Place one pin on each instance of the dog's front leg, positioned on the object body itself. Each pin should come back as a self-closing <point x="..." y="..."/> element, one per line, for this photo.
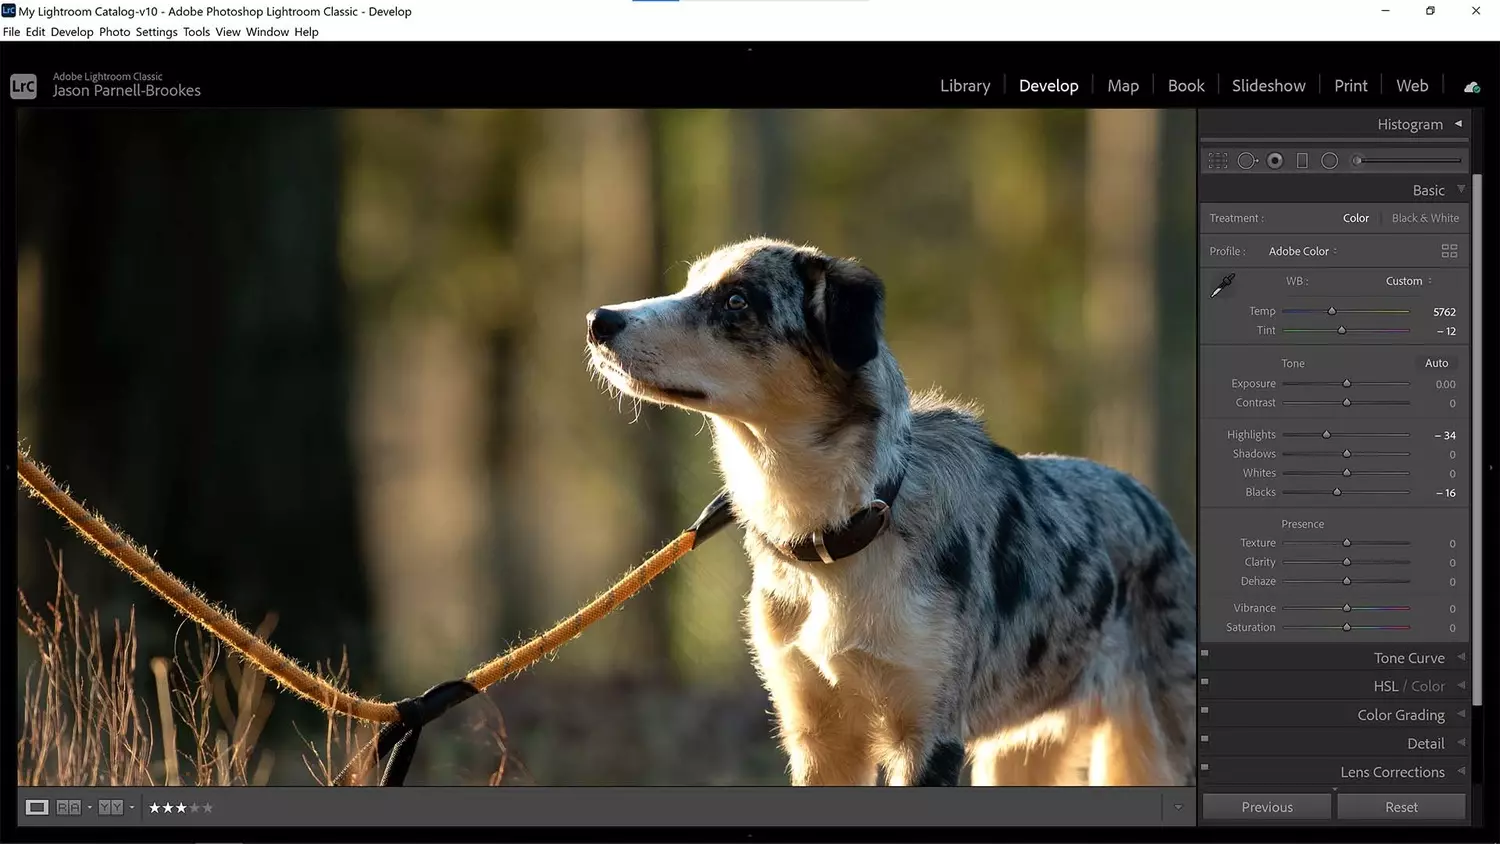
<point x="917" y="738"/>
<point x="825" y="735"/>
<point x="923" y="760"/>
<point x="824" y="730"/>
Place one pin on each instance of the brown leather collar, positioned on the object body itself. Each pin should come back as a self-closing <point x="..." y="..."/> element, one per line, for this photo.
<point x="854" y="535"/>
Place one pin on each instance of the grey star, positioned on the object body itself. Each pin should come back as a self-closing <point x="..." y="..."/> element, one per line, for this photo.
<point x="208" y="807"/>
<point x="194" y="808"/>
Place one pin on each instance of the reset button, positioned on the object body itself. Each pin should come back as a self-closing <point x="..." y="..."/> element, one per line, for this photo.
<point x="1396" y="807"/>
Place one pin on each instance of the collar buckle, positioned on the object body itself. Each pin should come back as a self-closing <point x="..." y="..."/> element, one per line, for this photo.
<point x="884" y="510"/>
<point x="822" y="548"/>
<point x="819" y="543"/>
<point x="862" y="528"/>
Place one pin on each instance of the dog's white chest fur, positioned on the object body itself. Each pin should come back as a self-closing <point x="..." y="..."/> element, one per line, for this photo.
<point x="851" y="615"/>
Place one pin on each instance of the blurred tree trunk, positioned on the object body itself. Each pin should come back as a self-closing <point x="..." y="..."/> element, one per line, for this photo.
<point x="1002" y="350"/>
<point x="696" y="211"/>
<point x="659" y="462"/>
<point x="1177" y="305"/>
<point x="553" y="550"/>
<point x="1120" y="304"/>
<point x="422" y="425"/>
<point x="623" y="234"/>
<point x="768" y="168"/>
<point x="602" y="489"/>
<point x="428" y="256"/>
<point x="195" y="369"/>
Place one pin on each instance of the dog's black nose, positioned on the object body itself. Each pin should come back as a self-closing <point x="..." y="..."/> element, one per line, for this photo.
<point x="604" y="324"/>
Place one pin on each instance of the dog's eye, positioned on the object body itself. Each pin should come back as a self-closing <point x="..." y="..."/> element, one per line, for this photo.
<point x="736" y="302"/>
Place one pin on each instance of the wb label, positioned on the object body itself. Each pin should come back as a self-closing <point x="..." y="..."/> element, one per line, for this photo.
<point x="23" y="86"/>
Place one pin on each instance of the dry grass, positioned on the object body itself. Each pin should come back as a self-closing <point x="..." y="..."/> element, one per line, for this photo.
<point x="84" y="722"/>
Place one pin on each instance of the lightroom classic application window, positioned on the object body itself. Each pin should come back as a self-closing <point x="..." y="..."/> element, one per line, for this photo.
<point x="872" y="420"/>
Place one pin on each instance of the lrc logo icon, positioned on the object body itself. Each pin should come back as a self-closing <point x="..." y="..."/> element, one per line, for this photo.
<point x="23" y="86"/>
<point x="7" y="10"/>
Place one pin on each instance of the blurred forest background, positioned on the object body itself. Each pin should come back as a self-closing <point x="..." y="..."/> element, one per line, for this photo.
<point x="330" y="365"/>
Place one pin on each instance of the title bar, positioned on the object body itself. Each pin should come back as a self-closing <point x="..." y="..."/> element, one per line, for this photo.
<point x="758" y="20"/>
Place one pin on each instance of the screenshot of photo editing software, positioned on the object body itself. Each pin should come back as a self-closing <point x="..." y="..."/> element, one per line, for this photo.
<point x="873" y="421"/>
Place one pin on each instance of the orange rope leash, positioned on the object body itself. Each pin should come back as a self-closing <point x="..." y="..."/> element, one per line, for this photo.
<point x="288" y="671"/>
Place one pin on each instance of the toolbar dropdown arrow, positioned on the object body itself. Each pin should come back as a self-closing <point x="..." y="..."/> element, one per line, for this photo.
<point x="1463" y="772"/>
<point x="1177" y="806"/>
<point x="1463" y="742"/>
<point x="1463" y="713"/>
<point x="1463" y="684"/>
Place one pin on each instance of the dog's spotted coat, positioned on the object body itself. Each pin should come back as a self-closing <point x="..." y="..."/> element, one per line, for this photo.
<point x="1032" y="615"/>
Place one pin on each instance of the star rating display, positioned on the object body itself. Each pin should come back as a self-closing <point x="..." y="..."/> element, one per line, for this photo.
<point x="180" y="808"/>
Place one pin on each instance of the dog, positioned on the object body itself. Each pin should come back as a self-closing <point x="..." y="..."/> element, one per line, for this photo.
<point x="922" y="598"/>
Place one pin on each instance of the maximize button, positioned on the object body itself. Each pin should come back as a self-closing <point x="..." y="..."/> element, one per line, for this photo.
<point x="1267" y="807"/>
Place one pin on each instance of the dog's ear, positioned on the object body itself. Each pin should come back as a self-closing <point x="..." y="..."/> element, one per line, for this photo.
<point x="845" y="303"/>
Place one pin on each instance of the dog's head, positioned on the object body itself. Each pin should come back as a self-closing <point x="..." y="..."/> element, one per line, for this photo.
<point x="763" y="332"/>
